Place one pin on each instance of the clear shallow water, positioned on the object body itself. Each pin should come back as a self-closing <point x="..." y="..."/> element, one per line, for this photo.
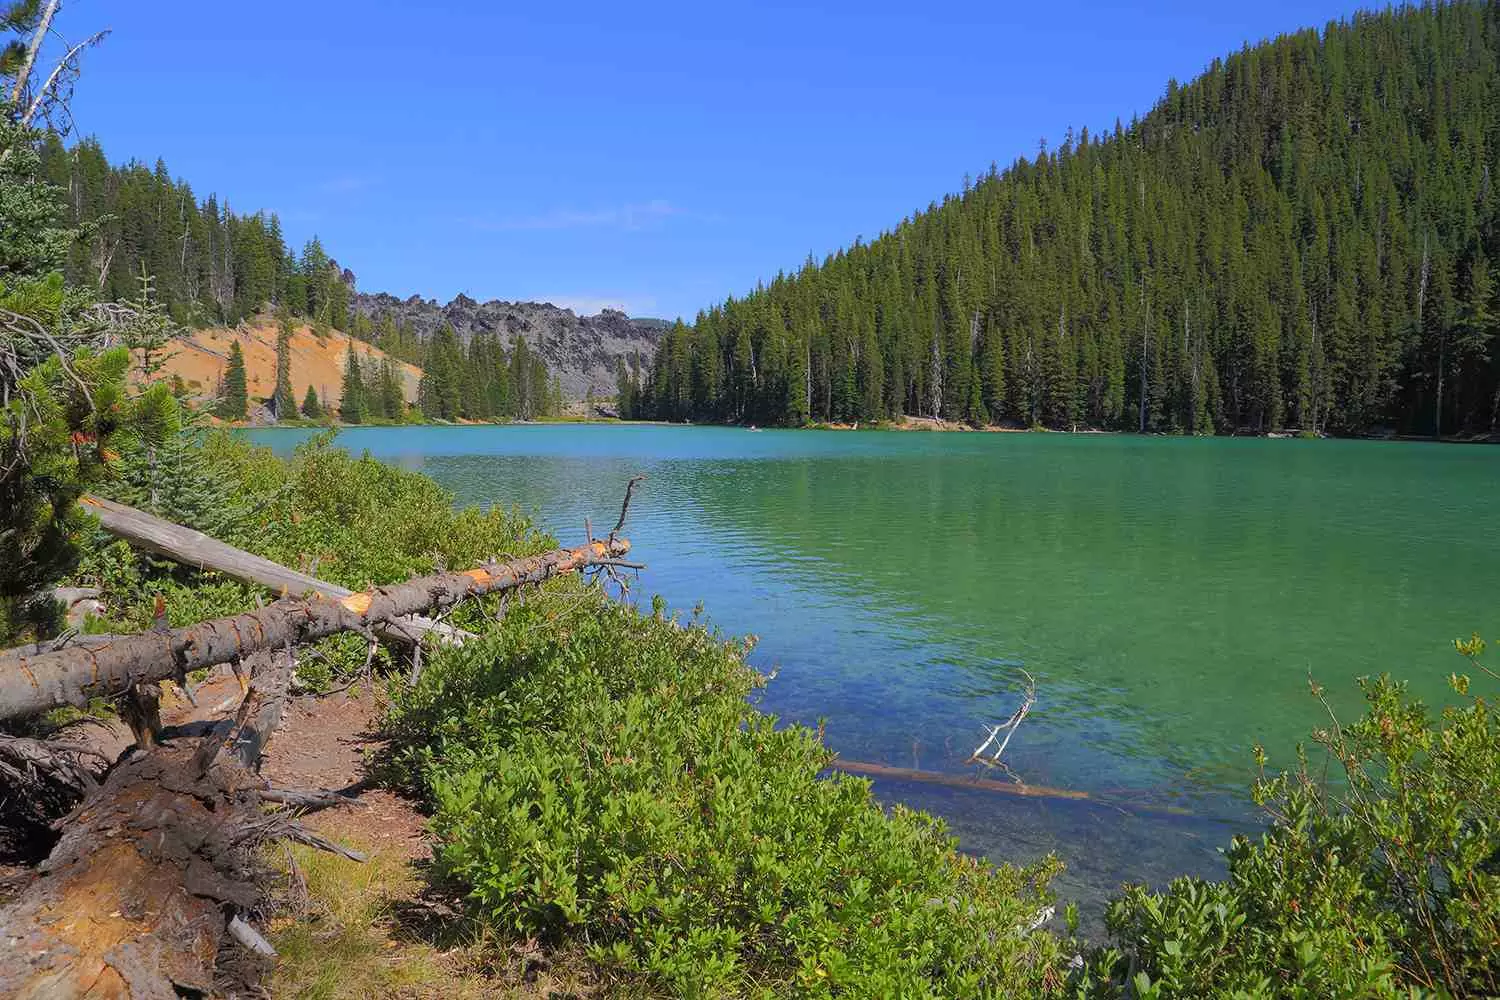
<point x="1171" y="597"/>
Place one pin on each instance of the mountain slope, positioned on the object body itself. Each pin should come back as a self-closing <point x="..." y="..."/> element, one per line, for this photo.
<point x="200" y="359"/>
<point x="1303" y="237"/>
<point x="580" y="351"/>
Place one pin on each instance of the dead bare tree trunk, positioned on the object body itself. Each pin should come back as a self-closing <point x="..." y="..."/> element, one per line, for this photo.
<point x="23" y="74"/>
<point x="194" y="548"/>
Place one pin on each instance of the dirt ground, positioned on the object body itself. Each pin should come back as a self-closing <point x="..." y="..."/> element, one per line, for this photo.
<point x="345" y="929"/>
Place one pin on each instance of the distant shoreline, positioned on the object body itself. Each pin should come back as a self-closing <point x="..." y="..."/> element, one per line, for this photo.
<point x="907" y="425"/>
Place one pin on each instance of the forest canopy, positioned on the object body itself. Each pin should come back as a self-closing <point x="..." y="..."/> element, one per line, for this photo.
<point x="1304" y="237"/>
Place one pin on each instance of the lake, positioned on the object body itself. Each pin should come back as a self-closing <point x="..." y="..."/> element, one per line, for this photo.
<point x="1171" y="597"/>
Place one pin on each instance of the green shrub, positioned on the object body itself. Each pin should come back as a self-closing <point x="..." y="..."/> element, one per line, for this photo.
<point x="1386" y="883"/>
<point x="599" y="775"/>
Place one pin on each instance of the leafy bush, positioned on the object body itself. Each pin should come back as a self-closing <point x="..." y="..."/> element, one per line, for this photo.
<point x="1387" y="883"/>
<point x="600" y="775"/>
<point x="355" y="521"/>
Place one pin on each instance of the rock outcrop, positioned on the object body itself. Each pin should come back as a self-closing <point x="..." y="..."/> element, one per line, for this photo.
<point x="580" y="350"/>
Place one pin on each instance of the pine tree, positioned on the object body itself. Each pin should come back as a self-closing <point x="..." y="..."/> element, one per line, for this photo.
<point x="283" y="400"/>
<point x="312" y="408"/>
<point x="149" y="329"/>
<point x="234" y="400"/>
<point x="353" y="407"/>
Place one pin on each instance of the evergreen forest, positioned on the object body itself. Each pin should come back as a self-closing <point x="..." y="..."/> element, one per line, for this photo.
<point x="1304" y="238"/>
<point x="207" y="265"/>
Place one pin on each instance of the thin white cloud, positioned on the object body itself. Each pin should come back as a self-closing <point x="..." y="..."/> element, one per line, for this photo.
<point x="631" y="216"/>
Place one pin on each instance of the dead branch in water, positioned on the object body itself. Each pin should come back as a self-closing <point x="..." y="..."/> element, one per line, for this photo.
<point x="873" y="770"/>
<point x="1008" y="727"/>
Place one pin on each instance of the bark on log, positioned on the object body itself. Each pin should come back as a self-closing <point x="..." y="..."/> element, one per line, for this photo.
<point x="32" y="684"/>
<point x="194" y="548"/>
<point x="132" y="902"/>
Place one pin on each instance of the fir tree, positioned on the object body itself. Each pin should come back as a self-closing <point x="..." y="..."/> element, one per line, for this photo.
<point x="312" y="408"/>
<point x="352" y="403"/>
<point x="234" y="400"/>
<point x="149" y="329"/>
<point x="283" y="400"/>
<point x="392" y="394"/>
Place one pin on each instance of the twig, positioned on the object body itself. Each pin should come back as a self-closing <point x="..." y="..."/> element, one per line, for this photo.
<point x="625" y="506"/>
<point x="308" y="799"/>
<point x="302" y="835"/>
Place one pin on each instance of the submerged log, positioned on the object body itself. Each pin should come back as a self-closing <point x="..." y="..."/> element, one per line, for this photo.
<point x="194" y="548"/>
<point x="70" y="676"/>
<point x="1116" y="799"/>
<point x="871" y="769"/>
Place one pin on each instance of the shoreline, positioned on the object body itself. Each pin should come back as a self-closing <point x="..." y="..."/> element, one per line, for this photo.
<point x="907" y="425"/>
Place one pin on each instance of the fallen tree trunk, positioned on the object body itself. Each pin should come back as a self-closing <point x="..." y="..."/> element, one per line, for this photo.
<point x="160" y="861"/>
<point x="70" y="676"/>
<point x="194" y="548"/>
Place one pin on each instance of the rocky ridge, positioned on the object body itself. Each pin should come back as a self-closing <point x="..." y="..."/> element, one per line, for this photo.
<point x="582" y="351"/>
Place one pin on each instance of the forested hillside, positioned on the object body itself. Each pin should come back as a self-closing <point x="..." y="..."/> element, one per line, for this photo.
<point x="212" y="268"/>
<point x="1303" y="237"/>
<point x="210" y="265"/>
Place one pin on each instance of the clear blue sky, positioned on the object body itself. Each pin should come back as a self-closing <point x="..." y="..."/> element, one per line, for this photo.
<point x="652" y="156"/>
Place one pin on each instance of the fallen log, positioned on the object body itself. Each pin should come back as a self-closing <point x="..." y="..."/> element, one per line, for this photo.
<point x="70" y="676"/>
<point x="194" y="548"/>
<point x="159" y="864"/>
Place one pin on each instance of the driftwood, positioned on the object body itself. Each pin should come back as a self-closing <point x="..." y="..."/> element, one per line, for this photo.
<point x="158" y="864"/>
<point x="194" y="548"/>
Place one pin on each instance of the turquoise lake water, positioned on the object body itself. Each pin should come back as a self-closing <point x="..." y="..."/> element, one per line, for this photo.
<point x="1170" y="596"/>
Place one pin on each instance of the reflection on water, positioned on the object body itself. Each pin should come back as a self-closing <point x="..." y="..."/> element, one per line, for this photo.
<point x="1170" y="597"/>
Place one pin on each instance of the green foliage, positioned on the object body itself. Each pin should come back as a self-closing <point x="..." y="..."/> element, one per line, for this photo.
<point x="283" y="400"/>
<point x="234" y="398"/>
<point x="353" y="406"/>
<point x="484" y="381"/>
<point x="358" y="520"/>
<point x="53" y="446"/>
<point x="1297" y="238"/>
<point x="34" y="234"/>
<point x="1385" y="884"/>
<point x="312" y="408"/>
<point x="210" y="264"/>
<point x="165" y="469"/>
<point x="599" y="775"/>
<point x="150" y="330"/>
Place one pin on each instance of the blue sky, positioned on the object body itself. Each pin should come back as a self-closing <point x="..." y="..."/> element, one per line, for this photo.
<point x="653" y="156"/>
